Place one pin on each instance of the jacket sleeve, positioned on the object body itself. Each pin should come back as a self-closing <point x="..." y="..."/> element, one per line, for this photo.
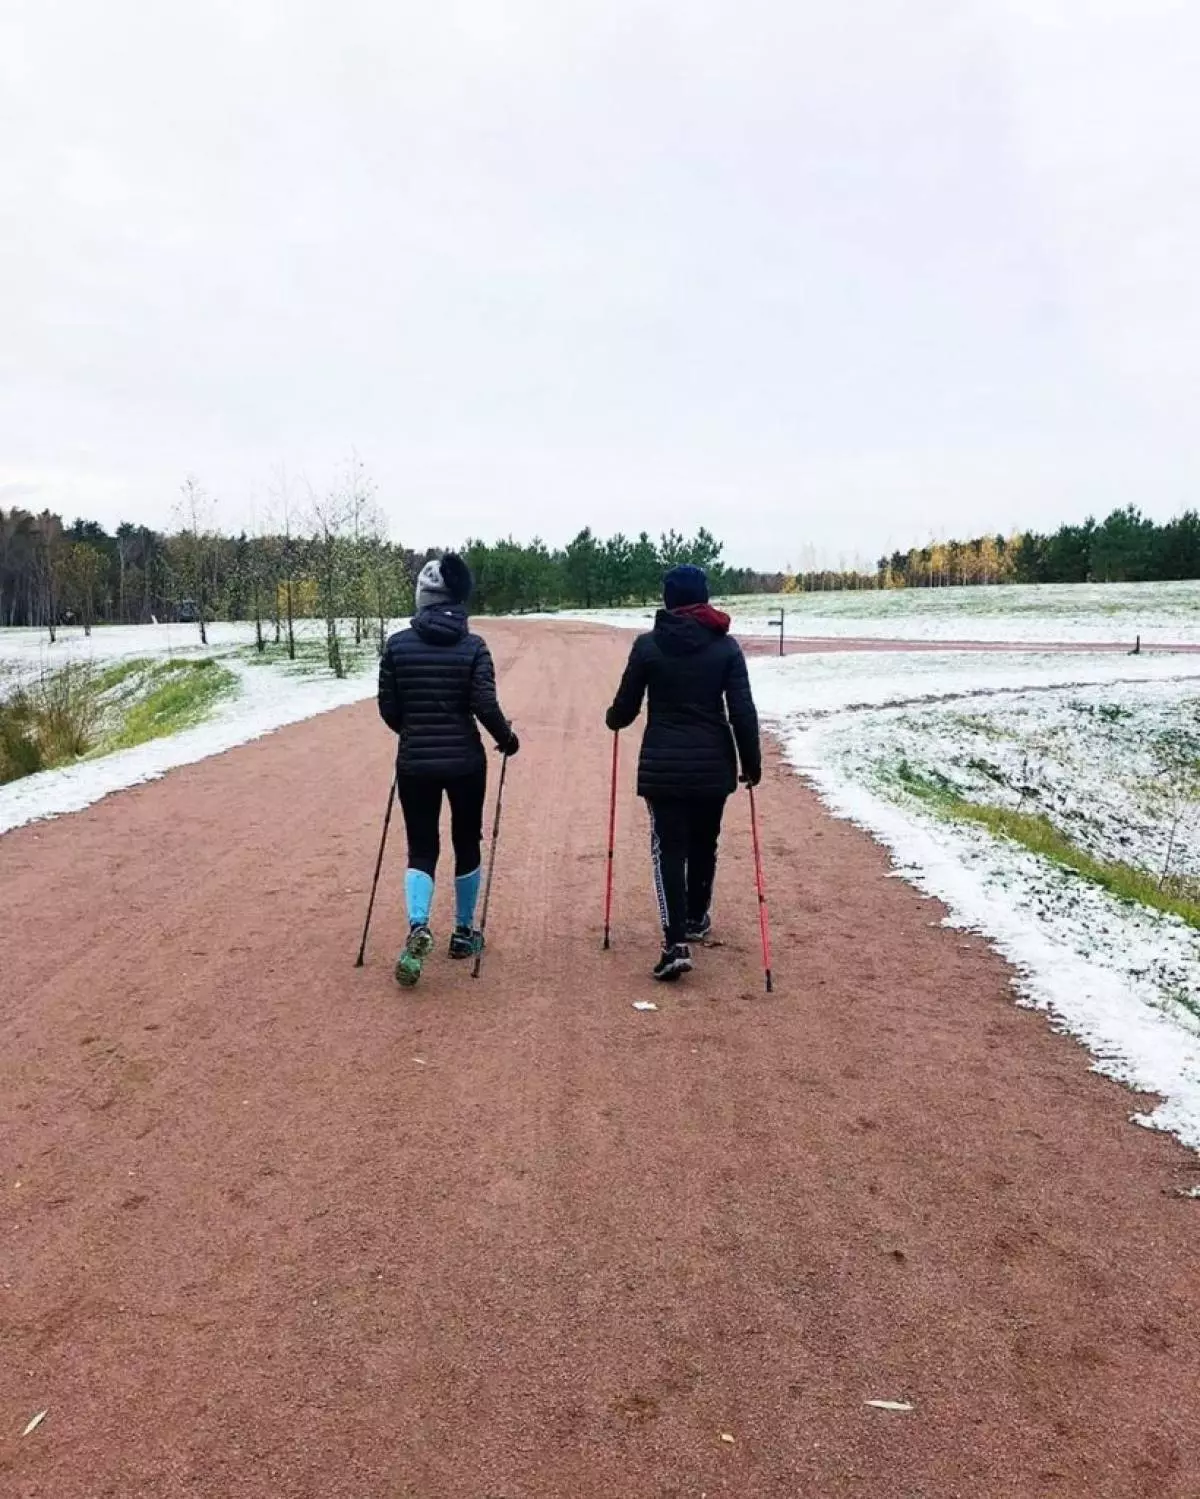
<point x="389" y="698"/>
<point x="485" y="704"/>
<point x="628" y="702"/>
<point x="743" y="715"/>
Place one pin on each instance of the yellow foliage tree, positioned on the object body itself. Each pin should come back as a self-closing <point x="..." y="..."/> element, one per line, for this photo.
<point x="304" y="598"/>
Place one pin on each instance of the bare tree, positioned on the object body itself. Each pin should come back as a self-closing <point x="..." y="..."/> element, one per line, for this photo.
<point x="81" y="573"/>
<point x="258" y="576"/>
<point x="389" y="585"/>
<point x="195" y="549"/>
<point x="284" y="512"/>
<point x="126" y="534"/>
<point x="47" y="570"/>
<point x="329" y="518"/>
<point x="365" y="524"/>
<point x="1176" y="755"/>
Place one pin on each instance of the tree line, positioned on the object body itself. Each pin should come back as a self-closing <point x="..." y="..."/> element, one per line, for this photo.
<point x="1125" y="547"/>
<point x="593" y="572"/>
<point x="328" y="556"/>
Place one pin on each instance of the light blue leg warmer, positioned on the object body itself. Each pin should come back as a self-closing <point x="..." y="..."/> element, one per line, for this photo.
<point x="466" y="896"/>
<point x="418" y="896"/>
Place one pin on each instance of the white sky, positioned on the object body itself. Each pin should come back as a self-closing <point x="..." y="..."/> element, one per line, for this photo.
<point x="815" y="275"/>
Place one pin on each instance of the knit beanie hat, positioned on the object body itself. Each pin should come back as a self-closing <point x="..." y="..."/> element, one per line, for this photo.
<point x="444" y="582"/>
<point x="685" y="585"/>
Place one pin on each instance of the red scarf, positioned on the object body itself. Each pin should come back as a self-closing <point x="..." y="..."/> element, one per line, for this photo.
<point x="706" y="615"/>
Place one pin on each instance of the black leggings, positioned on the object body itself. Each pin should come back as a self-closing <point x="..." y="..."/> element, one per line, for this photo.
<point x="421" y="802"/>
<point x="683" y="843"/>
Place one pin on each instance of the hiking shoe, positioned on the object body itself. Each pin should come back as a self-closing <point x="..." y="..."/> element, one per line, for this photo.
<point x="675" y="962"/>
<point x="465" y="942"/>
<point x="412" y="958"/>
<point x="699" y="931"/>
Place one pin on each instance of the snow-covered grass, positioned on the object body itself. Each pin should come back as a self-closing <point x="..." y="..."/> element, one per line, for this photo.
<point x="1109" y="613"/>
<point x="27" y="651"/>
<point x="1108" y="767"/>
<point x="831" y="681"/>
<point x="1096" y="747"/>
<point x="158" y="727"/>
<point x="143" y="699"/>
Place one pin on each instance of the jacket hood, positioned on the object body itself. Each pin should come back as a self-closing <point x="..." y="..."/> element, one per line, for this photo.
<point x="680" y="632"/>
<point x="441" y="624"/>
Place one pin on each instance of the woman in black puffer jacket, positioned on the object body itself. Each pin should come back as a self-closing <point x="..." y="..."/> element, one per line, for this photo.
<point x="435" y="680"/>
<point x="702" y="722"/>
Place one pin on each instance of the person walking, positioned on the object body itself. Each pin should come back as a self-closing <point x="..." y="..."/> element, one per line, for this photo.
<point x="702" y="721"/>
<point x="435" y="680"/>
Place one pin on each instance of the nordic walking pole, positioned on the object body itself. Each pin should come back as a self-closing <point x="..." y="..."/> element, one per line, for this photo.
<point x="362" y="947"/>
<point x="612" y="838"/>
<point x="487" y="889"/>
<point x="763" y="927"/>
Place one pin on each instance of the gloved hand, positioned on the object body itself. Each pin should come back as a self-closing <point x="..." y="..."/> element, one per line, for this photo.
<point x="511" y="746"/>
<point x="752" y="777"/>
<point x="610" y="722"/>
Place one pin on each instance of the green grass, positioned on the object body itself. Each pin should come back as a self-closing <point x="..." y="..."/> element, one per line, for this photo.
<point x="179" y="695"/>
<point x="21" y="753"/>
<point x="120" y="672"/>
<point x="1038" y="834"/>
<point x="82" y="711"/>
<point x="48" y="722"/>
<point x="312" y="657"/>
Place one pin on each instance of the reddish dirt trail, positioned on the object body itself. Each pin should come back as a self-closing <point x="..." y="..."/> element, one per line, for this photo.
<point x="283" y="1232"/>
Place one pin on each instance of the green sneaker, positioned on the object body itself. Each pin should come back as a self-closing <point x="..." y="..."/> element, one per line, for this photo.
<point x="465" y="942"/>
<point x="412" y="958"/>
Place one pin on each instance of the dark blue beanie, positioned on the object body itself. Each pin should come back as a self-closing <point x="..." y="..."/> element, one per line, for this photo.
<point x="685" y="585"/>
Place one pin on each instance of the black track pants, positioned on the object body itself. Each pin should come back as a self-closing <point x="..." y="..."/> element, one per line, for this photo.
<point x="683" y="847"/>
<point x="421" y="802"/>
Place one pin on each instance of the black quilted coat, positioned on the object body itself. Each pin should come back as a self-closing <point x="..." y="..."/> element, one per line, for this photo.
<point x="435" y="680"/>
<point x="700" y="707"/>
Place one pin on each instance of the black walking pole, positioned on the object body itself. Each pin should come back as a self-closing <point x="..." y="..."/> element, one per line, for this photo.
<point x="487" y="889"/>
<point x="612" y="838"/>
<point x="362" y="948"/>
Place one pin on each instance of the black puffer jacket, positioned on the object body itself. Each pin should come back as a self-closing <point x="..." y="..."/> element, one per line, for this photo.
<point x="694" y="672"/>
<point x="435" y="680"/>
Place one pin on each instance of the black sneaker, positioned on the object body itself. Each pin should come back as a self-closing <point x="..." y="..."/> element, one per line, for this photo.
<point x="412" y="958"/>
<point x="699" y="931"/>
<point x="675" y="962"/>
<point x="465" y="942"/>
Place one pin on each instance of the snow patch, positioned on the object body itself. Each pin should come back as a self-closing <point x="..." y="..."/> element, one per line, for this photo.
<point x="268" y="698"/>
<point x="1120" y="977"/>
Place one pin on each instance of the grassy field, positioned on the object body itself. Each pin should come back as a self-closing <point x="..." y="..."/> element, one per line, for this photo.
<point x="81" y="710"/>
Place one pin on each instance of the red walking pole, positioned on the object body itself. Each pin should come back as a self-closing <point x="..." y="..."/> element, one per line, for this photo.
<point x="612" y="838"/>
<point x="763" y="926"/>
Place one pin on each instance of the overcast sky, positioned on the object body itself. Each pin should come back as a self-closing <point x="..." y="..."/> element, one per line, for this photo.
<point x="815" y="275"/>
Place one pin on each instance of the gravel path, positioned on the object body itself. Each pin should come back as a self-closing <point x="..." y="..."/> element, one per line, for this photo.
<point x="270" y="1229"/>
